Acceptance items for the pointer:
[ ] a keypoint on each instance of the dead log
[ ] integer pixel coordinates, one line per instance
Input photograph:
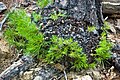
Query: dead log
(20, 66)
(111, 7)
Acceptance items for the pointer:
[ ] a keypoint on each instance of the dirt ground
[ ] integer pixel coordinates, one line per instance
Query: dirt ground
(7, 56)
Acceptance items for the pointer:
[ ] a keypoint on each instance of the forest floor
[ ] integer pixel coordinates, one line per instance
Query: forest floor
(8, 56)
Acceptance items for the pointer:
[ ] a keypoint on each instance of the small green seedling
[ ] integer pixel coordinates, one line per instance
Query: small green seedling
(91, 28)
(62, 49)
(55, 16)
(44, 3)
(36, 16)
(103, 51)
(24, 34)
(106, 26)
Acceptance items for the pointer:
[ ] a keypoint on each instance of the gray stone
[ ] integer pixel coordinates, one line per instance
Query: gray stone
(28, 75)
(2, 6)
(96, 75)
(86, 77)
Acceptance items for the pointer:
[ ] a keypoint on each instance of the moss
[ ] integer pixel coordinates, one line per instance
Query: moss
(23, 34)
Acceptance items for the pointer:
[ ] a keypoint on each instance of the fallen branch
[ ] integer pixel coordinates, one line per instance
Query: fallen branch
(20, 66)
(65, 75)
(3, 21)
(111, 8)
(5, 18)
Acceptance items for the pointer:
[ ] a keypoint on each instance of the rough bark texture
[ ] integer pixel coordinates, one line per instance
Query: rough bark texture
(14, 70)
(81, 14)
(86, 10)
(111, 6)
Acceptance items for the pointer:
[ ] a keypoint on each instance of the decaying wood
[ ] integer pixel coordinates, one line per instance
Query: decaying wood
(21, 65)
(89, 11)
(111, 7)
(81, 14)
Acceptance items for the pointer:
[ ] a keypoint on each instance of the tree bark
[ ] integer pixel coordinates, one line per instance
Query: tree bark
(14, 70)
(81, 14)
(89, 11)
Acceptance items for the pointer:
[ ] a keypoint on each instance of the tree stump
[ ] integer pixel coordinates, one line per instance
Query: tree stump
(80, 15)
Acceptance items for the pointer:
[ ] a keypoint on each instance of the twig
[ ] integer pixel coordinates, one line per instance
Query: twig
(60, 76)
(106, 18)
(3, 21)
(65, 75)
(21, 65)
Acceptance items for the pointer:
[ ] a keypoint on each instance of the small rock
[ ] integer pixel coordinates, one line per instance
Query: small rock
(86, 77)
(38, 78)
(112, 29)
(114, 55)
(25, 4)
(96, 75)
(37, 69)
(63, 2)
(2, 7)
(33, 8)
(28, 75)
(4, 46)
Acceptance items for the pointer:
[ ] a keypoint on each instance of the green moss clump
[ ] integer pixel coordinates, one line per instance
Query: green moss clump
(24, 34)
(44, 3)
(62, 49)
(103, 51)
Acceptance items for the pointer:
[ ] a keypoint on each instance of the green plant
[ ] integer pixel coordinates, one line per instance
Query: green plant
(91, 28)
(24, 34)
(61, 49)
(106, 26)
(103, 51)
(44, 3)
(36, 16)
(55, 16)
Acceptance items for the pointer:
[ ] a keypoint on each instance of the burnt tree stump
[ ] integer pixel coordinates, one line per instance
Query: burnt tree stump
(80, 15)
